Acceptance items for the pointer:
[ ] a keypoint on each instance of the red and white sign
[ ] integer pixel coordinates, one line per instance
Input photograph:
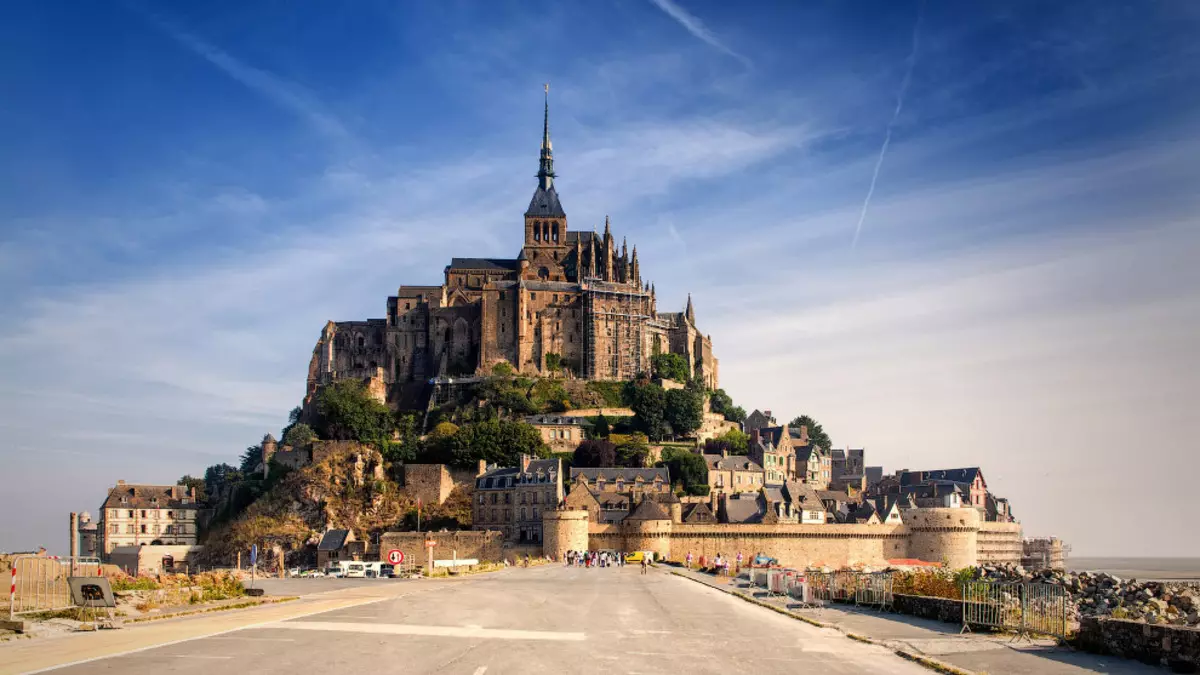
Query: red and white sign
(395, 556)
(429, 543)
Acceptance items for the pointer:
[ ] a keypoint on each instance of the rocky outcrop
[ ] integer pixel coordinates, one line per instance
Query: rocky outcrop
(1096, 594)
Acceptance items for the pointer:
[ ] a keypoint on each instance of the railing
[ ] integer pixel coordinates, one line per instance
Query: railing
(874, 589)
(39, 583)
(1023, 607)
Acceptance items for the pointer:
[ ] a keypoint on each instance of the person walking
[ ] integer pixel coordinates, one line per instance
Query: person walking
(688, 560)
(645, 563)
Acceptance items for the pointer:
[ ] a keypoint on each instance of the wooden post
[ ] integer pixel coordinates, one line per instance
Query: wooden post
(239, 561)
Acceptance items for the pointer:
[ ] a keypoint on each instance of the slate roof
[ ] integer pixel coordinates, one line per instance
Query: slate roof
(496, 478)
(148, 497)
(333, 540)
(497, 264)
(552, 420)
(612, 473)
(743, 510)
(773, 435)
(805, 494)
(862, 514)
(731, 463)
(803, 452)
(545, 204)
(649, 510)
(697, 512)
(966, 475)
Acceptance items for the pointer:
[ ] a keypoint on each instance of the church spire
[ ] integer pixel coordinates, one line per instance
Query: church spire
(689, 312)
(546, 165)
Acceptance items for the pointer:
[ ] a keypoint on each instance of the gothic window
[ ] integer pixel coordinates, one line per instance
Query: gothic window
(537, 231)
(362, 342)
(546, 231)
(556, 233)
(543, 273)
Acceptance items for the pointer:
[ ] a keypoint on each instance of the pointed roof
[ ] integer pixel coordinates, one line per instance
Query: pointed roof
(689, 312)
(545, 202)
(649, 510)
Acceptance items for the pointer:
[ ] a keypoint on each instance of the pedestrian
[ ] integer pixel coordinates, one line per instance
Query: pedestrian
(689, 560)
(645, 563)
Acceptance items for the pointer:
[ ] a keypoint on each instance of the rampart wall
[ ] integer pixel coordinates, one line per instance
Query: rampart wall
(486, 545)
(935, 535)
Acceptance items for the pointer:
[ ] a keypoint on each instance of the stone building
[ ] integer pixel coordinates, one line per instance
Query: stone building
(732, 474)
(611, 494)
(571, 300)
(134, 515)
(512, 499)
(771, 448)
(562, 434)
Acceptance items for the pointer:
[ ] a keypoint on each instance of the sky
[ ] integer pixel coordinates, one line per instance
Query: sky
(956, 234)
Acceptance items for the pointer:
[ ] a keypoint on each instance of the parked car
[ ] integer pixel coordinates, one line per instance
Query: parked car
(762, 560)
(637, 556)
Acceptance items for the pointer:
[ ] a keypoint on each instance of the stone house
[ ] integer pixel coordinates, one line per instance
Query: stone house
(812, 466)
(759, 419)
(610, 494)
(847, 469)
(733, 473)
(134, 515)
(697, 513)
(970, 479)
(338, 545)
(562, 434)
(771, 448)
(512, 499)
(621, 479)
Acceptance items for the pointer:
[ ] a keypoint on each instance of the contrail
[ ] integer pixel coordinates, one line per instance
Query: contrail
(887, 137)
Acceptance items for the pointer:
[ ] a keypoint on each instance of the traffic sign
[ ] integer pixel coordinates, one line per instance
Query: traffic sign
(395, 556)
(254, 554)
(429, 543)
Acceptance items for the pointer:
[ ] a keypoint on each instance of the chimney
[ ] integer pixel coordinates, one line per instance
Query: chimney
(192, 492)
(120, 482)
(755, 435)
(74, 540)
(724, 450)
(525, 462)
(482, 468)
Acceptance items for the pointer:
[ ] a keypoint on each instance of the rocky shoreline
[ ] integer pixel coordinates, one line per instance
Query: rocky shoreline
(1105, 595)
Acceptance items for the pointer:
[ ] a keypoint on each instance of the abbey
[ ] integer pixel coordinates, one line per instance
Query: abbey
(570, 301)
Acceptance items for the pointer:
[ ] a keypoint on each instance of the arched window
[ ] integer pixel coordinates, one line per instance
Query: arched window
(546, 231)
(543, 273)
(556, 233)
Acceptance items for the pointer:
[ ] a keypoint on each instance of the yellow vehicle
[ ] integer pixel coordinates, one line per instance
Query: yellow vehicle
(636, 556)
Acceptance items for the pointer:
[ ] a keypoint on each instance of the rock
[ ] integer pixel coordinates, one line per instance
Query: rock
(1151, 618)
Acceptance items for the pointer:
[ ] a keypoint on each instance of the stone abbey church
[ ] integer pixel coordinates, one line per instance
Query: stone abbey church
(570, 296)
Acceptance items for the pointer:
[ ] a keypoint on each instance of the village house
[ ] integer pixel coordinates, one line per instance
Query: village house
(732, 473)
(771, 448)
(338, 545)
(611, 494)
(512, 499)
(759, 419)
(137, 515)
(562, 434)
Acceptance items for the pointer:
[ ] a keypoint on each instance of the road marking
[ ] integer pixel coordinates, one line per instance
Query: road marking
(194, 656)
(434, 631)
(480, 670)
(256, 639)
(139, 650)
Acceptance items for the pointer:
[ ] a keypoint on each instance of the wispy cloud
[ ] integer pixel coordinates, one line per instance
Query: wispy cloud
(287, 95)
(887, 136)
(696, 27)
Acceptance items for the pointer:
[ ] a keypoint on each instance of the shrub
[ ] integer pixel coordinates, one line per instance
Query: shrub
(934, 583)
(127, 583)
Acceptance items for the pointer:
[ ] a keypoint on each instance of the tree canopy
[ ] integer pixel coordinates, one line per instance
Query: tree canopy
(688, 469)
(649, 404)
(298, 435)
(498, 442)
(816, 434)
(670, 367)
(683, 410)
(733, 442)
(721, 403)
(596, 453)
(346, 412)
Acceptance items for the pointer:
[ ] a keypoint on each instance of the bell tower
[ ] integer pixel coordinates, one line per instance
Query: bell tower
(545, 220)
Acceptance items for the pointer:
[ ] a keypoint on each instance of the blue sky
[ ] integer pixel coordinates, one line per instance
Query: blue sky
(189, 191)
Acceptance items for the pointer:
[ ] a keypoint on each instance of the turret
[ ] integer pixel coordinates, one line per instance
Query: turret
(635, 274)
(689, 312)
(268, 451)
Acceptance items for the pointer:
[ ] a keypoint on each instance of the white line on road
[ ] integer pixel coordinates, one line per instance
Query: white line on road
(256, 639)
(480, 670)
(193, 656)
(434, 631)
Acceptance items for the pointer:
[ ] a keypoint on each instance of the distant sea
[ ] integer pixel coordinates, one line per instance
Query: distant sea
(1162, 569)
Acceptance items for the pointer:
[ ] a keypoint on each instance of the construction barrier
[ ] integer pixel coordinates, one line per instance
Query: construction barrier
(39, 583)
(1023, 607)
(777, 582)
(874, 589)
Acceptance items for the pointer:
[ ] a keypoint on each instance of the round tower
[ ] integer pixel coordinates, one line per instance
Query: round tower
(564, 530)
(949, 536)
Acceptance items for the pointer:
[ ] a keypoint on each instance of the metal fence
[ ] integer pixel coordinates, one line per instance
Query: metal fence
(874, 589)
(39, 583)
(1023, 607)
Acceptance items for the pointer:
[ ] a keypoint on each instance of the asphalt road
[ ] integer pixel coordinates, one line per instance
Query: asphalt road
(549, 619)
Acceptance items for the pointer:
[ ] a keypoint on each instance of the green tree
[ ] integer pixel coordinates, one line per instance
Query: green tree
(688, 469)
(670, 367)
(816, 434)
(298, 435)
(190, 482)
(634, 451)
(722, 404)
(346, 412)
(649, 403)
(553, 362)
(683, 410)
(736, 414)
(591, 454)
(502, 369)
(250, 459)
(498, 442)
(733, 442)
(600, 428)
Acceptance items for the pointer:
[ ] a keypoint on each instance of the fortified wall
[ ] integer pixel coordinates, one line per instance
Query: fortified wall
(936, 535)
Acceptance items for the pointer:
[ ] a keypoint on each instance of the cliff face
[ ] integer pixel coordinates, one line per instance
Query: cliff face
(346, 487)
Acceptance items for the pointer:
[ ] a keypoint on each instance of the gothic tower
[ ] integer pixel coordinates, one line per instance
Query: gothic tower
(545, 220)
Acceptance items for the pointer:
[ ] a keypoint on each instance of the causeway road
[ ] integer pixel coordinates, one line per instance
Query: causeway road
(549, 619)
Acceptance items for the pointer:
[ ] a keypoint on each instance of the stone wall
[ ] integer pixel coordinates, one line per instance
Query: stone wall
(563, 531)
(484, 545)
(431, 483)
(939, 609)
(135, 560)
(1171, 646)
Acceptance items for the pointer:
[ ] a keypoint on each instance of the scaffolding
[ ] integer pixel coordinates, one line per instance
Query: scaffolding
(627, 324)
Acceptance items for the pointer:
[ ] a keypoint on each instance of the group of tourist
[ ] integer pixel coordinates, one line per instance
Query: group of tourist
(721, 564)
(594, 559)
